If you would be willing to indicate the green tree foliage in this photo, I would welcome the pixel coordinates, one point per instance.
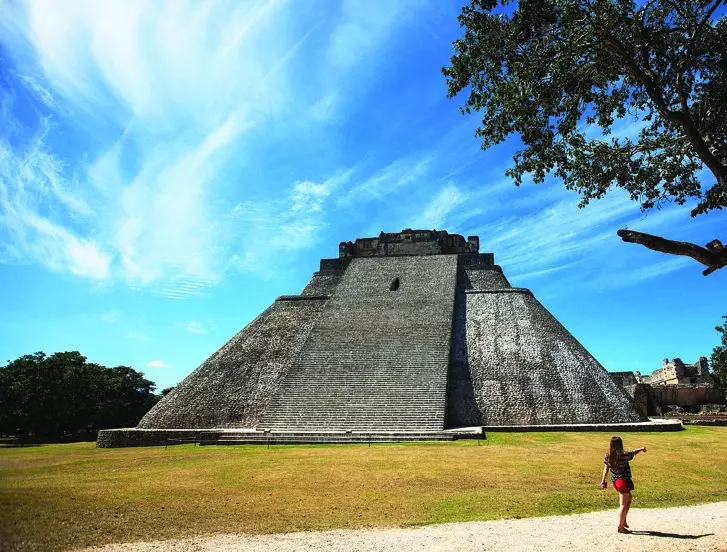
(718, 361)
(63, 395)
(552, 71)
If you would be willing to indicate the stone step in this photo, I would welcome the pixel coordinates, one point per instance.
(346, 422)
(350, 401)
(338, 414)
(321, 441)
(282, 440)
(343, 419)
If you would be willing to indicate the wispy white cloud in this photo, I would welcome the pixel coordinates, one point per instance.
(556, 233)
(289, 225)
(183, 286)
(197, 112)
(634, 275)
(526, 276)
(111, 316)
(198, 326)
(388, 180)
(172, 92)
(183, 102)
(363, 26)
(38, 212)
(195, 327)
(159, 364)
(627, 127)
(308, 197)
(437, 213)
(42, 93)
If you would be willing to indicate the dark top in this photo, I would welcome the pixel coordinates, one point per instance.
(622, 469)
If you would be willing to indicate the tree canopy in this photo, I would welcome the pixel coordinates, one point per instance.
(62, 395)
(718, 360)
(553, 71)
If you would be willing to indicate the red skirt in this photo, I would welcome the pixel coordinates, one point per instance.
(623, 485)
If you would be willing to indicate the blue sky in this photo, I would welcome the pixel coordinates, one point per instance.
(168, 168)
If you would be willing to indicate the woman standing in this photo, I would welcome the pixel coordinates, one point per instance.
(617, 460)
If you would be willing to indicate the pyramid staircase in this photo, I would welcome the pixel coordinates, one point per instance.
(377, 358)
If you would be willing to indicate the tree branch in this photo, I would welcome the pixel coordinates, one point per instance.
(678, 117)
(677, 8)
(710, 13)
(714, 256)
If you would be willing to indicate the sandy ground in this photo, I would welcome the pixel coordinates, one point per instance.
(693, 528)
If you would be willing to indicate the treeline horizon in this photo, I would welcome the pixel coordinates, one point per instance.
(65, 397)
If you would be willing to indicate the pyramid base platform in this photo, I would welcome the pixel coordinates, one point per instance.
(133, 437)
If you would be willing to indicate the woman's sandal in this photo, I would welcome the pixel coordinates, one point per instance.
(624, 530)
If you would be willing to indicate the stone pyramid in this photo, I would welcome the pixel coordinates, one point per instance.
(410, 331)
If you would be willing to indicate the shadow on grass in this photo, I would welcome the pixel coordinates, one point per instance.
(23, 442)
(670, 535)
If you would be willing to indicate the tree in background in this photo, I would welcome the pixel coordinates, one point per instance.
(62, 395)
(554, 70)
(718, 361)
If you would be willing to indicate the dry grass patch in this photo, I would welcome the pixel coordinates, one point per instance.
(62, 496)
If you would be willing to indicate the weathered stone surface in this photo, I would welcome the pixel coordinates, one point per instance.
(234, 386)
(513, 363)
(488, 279)
(376, 357)
(622, 379)
(323, 283)
(676, 372)
(409, 242)
(655, 400)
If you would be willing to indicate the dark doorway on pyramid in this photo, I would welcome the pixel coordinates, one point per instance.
(358, 353)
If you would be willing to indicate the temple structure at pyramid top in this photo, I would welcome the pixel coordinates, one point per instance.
(410, 242)
(407, 334)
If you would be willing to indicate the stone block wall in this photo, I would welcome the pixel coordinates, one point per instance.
(134, 437)
(622, 379)
(419, 248)
(409, 242)
(686, 395)
(655, 400)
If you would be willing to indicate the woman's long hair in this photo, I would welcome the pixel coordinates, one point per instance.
(615, 451)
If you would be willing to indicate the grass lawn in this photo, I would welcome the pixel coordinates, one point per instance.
(63, 496)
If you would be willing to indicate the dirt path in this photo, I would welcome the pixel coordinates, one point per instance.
(693, 528)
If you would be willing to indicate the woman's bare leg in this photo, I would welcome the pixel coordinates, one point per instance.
(628, 507)
(623, 498)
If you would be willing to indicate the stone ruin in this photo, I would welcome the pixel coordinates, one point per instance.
(675, 384)
(678, 373)
(408, 333)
